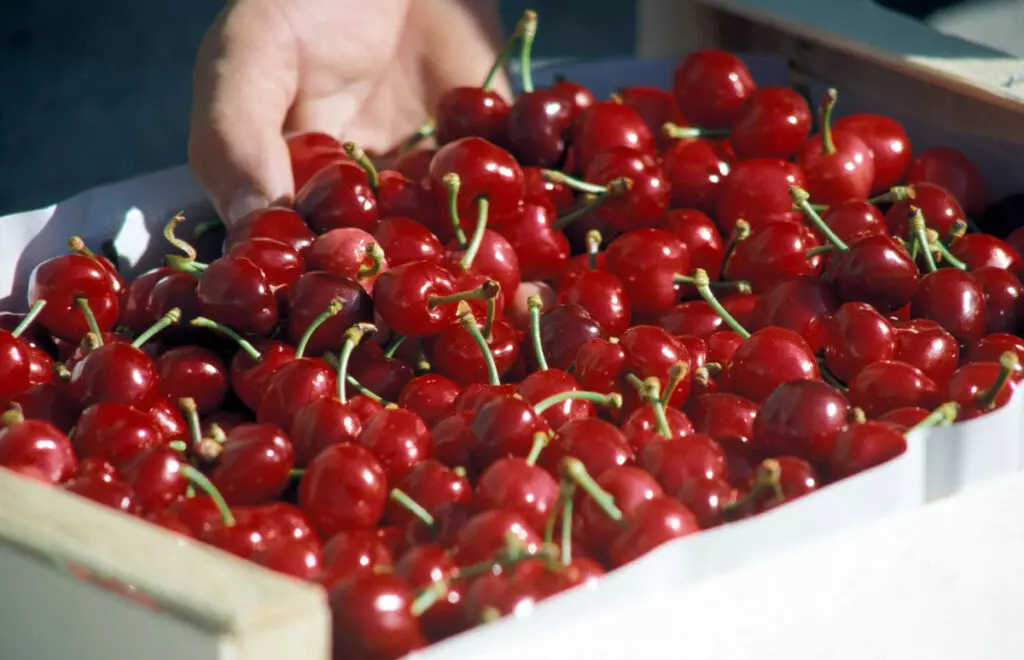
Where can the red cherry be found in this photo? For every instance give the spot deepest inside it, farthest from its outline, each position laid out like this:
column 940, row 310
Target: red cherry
column 604, row 298
column 398, row 439
column 954, row 300
column 512, row 484
column 310, row 152
column 339, row 195
column 905, row 418
column 773, row 122
column 630, row 487
column 312, row 294
column 981, row 250
column 710, row 500
column 496, row 259
column 539, row 125
column 494, row 596
column 655, row 522
column 484, row 170
column 794, row 476
column 1004, row 299
column 925, row 345
column 606, row 125
column 991, row 347
column 470, row 111
column 155, row 477
column 253, row 464
column 979, row 387
column 540, row 190
column 695, row 171
column 115, row 432
column 951, row 169
column 194, row 372
column 801, row 418
column 875, row 270
column 175, row 290
column 939, row 208
column 597, row 444
column 888, row 142
column 486, row 533
column 116, row 373
column 700, row 235
column 505, row 426
column 423, row 566
column 886, row 385
column 710, row 87
column 278, row 223
column 721, row 414
column 647, row 262
column 403, row 297
column 378, row 373
column 861, row 446
column 430, row 396
column 291, row 387
column 322, row 423
column 372, row 617
column 297, row 558
column 433, row 486
column 693, row 317
column 563, row 331
column 452, row 439
column 679, row 462
column 802, row 304
column 135, row 310
column 657, row 108
column 61, row 281
column 281, row 265
column 756, row 191
column 839, row 165
column 651, row 352
column 350, row 252
column 774, row 251
column 578, row 96
column 344, row 487
column 111, row 492
column 540, row 385
column 856, row 336
column 235, row 292
column 768, row 358
column 646, row 199
column 251, row 371
column 405, row 240
column 352, row 551
column 37, row 443
column 51, row 402
column 542, row 251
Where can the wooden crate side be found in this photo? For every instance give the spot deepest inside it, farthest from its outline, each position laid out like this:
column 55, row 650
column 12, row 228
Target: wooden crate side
column 58, row 548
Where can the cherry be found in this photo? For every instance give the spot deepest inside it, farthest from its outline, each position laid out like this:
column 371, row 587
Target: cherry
column 991, row 347
column 839, row 165
column 981, row 250
column 657, row 108
column 678, row 462
column 427, row 565
column 309, row 152
column 407, row 298
column 373, row 616
column 801, row 418
column 953, row 299
column 979, row 387
column 110, row 492
column 339, row 195
column 803, row 304
column 471, row 111
column 539, row 125
column 136, row 314
column 647, row 262
column 117, row 372
column 37, row 443
column 488, row 532
column 194, row 372
column 695, row 171
column 465, row 355
column 252, row 463
column 655, row 522
column 541, row 250
column 404, row 240
column 156, row 478
column 63, row 281
column 606, row 125
column 951, row 169
column 115, row 432
column 291, row 387
column 721, row 414
column 542, row 384
column 693, row 317
column 516, row 485
column 700, row 235
column 540, row 190
column 281, row 265
column 788, row 477
column 343, row 487
column 51, row 402
column 353, row 551
column 350, row 252
column 856, row 336
column 889, row 384
column 926, row 345
column 563, row 331
column 378, row 375
column 646, row 198
column 488, row 254
column 938, row 206
column 1004, row 299
column 905, row 418
column 175, row 290
column 630, row 486
column 315, row 291
column 430, row 396
column 888, row 142
column 775, row 251
column 484, row 170
column 603, row 296
column 428, row 487
column 597, row 444
column 651, row 352
column 578, row 96
column 398, row 438
column 297, row 558
column 854, row 219
column 710, row 87
column 755, row 191
column 773, row 122
column 864, row 445
column 711, row 500
column 491, row 597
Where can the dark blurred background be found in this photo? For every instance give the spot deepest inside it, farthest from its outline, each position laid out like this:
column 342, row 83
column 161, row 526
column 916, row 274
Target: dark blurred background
column 95, row 92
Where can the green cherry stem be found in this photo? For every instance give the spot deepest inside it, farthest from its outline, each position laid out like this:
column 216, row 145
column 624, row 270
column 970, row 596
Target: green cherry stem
column 452, row 184
column 395, row 345
column 199, row 479
column 90, row 319
column 554, row 176
column 190, row 412
column 179, row 446
column 594, row 239
column 486, row 291
column 243, row 344
column 488, row 329
column 703, row 285
column 739, row 286
column 801, row 200
column 740, row 232
column 30, row 318
column 1008, row 363
column 919, row 231
column 769, row 473
column 482, row 206
column 353, row 336
column 428, row 597
column 400, row 497
column 422, row 133
column 650, row 391
column 506, row 50
column 821, row 249
column 575, row 471
column 569, row 492
column 677, row 132
column 468, row 322
column 333, row 308
column 534, row 303
column 893, row 195
column 376, row 256
column 529, row 31
column 356, row 153
column 172, row 317
column 77, row 245
column 540, row 441
column 827, row 105
column 296, row 473
column 332, row 359
column 612, row 400
column 184, row 246
column 677, row 373
column 944, row 415
column 943, row 249
column 957, row 230
column 615, row 188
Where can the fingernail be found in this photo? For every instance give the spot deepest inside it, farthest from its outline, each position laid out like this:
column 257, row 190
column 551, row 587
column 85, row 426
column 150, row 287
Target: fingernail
column 244, row 203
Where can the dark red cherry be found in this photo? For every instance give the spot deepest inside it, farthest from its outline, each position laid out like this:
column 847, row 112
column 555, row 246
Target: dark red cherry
column 116, row 373
column 861, row 446
column 344, row 487
column 542, row 384
column 721, row 414
column 645, row 201
column 372, row 617
column 539, row 189
column 801, row 418
column 403, row 296
column 114, row 432
column 630, row 487
column 235, row 292
column 773, row 122
column 647, row 262
column 940, row 209
column 276, row 222
column 311, row 295
column 135, row 311
column 310, row 152
column 710, row 87
column 693, row 317
column 253, row 464
column 656, row 106
column 1004, row 299
column 155, row 476
column 757, row 191
column 339, row 195
column 194, row 372
column 905, row 418
column 61, row 281
column 677, row 463
column 838, row 164
column 655, row 522
column 856, row 336
column 505, row 426
column 281, row 265
column 876, row 270
column 802, row 304
column 353, row 551
column 484, row 170
column 700, row 235
column 433, row 486
column 604, row 298
column 981, row 250
column 606, row 125
column 320, row 424
column 597, row 444
column 471, row 112
column 854, row 219
column 927, row 346
column 991, row 347
column 350, row 252
column 398, row 438
column 773, row 252
column 953, row 299
column 695, row 171
column 112, row 492
column 37, row 443
column 951, row 169
column 889, row 384
column 888, row 142
column 405, row 240
column 512, row 484
column 768, row 358
column 291, row 387
column 563, row 330
column 539, row 124
column 487, row 533
column 251, row 373
column 430, row 396
column 980, row 387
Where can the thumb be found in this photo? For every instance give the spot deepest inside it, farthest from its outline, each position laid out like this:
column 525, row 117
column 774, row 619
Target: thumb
column 244, row 83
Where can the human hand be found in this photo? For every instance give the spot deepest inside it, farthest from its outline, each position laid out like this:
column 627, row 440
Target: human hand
column 368, row 71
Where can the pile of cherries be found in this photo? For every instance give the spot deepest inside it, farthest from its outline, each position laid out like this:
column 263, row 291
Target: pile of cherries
column 576, row 330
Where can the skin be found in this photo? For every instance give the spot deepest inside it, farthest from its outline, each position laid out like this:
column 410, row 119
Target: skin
column 370, row 72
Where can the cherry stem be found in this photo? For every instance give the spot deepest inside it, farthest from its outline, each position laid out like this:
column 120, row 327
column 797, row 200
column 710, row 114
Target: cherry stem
column 61, row 371
column 296, row 473
column 540, row 441
column 172, row 317
column 77, row 245
column 353, row 336
column 703, row 285
column 918, row 230
column 395, row 345
column 675, row 131
column 30, row 318
column 534, row 303
column 482, row 206
column 768, row 474
column 509, row 556
column 184, row 246
column 199, row 479
column 486, row 291
column 376, row 256
column 178, row 445
column 453, row 183
column 801, row 200
column 650, row 391
column 488, row 329
column 549, row 525
column 740, row 286
column 356, row 153
column 947, row 255
column 190, row 411
column 676, row 374
column 568, row 494
column 332, row 359
column 90, row 319
column 12, row 416
column 422, row 133
column 1008, row 363
column 243, row 343
column 577, row 473
column 529, row 32
column 554, row 176
column 821, row 249
column 506, row 51
column 611, row 400
column 827, row 105
column 957, row 230
column 427, row 598
column 942, row 416
column 740, row 232
column 894, row 194
column 400, row 497
column 594, row 239
column 333, row 308
column 469, row 323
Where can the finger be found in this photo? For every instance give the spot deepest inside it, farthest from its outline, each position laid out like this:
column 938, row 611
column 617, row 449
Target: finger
column 244, row 83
